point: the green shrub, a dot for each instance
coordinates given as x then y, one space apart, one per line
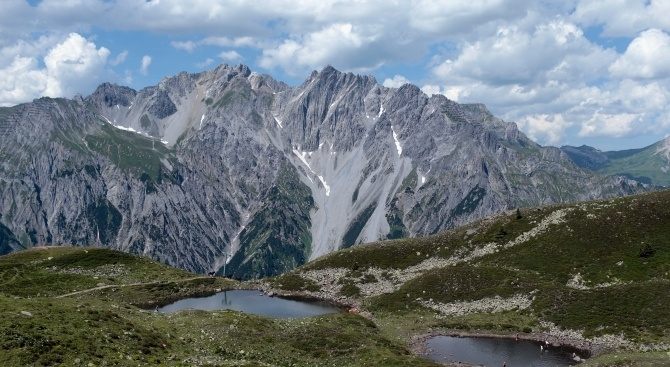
647 251
349 289
294 282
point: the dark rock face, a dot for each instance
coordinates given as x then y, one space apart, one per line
163 106
587 157
230 165
112 95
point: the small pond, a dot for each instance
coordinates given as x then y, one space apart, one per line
254 302
494 351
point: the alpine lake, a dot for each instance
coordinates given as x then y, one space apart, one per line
480 351
254 302
491 351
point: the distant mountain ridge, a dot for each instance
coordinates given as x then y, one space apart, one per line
649 165
231 164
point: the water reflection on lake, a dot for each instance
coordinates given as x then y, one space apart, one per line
494 351
255 303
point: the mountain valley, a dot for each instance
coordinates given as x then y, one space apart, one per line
647 165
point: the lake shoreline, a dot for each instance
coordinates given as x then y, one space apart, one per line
246 300
584 349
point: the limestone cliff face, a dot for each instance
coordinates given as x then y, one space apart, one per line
230 165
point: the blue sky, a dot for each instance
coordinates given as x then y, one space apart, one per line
567 72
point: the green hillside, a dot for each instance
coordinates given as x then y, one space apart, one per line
594 275
71 306
649 165
646 166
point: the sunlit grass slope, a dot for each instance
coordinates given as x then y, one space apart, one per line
78 306
598 269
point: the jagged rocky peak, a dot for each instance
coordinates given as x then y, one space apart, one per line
478 111
328 106
507 131
178 85
407 98
266 83
329 76
224 72
242 70
110 95
215 82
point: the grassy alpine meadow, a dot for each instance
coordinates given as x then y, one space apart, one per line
594 275
65 306
48 332
55 271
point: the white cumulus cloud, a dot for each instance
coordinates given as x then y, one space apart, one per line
231 56
188 46
647 57
337 44
71 60
396 82
462 16
21 81
71 65
608 124
201 65
546 128
144 67
555 83
535 54
120 58
623 17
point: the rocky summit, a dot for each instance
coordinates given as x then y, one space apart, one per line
233 167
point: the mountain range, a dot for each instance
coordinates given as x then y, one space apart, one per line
232 167
649 165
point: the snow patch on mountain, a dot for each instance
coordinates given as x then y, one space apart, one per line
130 129
397 142
278 122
